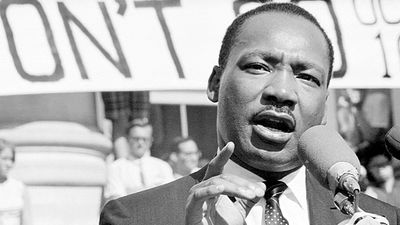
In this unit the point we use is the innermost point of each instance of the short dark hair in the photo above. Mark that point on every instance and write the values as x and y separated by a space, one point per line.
4 144
139 122
177 141
288 8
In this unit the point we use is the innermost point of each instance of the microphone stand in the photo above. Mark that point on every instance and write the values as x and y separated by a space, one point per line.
347 202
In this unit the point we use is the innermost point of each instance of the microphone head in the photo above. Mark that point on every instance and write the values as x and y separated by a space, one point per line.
392 142
321 147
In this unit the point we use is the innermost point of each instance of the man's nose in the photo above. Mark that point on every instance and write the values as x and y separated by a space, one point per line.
280 90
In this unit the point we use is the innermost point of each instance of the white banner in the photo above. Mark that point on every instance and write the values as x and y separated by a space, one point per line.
49 46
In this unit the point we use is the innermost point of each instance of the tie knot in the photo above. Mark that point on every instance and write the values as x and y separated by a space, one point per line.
275 189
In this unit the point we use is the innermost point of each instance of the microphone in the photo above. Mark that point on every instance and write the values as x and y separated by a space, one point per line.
333 163
392 142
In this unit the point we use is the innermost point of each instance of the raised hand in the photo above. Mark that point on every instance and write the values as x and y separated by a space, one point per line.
208 201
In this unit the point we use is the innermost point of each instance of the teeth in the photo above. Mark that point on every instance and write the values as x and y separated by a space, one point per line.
274 120
275 124
272 134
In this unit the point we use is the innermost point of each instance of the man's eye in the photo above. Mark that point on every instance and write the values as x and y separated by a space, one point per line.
310 78
257 68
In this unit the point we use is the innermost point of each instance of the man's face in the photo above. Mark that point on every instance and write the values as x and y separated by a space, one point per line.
140 139
188 155
6 162
272 89
354 95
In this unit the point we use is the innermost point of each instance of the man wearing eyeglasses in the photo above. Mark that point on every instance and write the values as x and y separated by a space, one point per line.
139 171
184 157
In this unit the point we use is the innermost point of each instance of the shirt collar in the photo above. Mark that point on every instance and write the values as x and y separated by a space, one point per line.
296 181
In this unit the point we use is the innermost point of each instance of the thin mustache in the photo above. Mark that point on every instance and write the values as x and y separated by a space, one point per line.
282 109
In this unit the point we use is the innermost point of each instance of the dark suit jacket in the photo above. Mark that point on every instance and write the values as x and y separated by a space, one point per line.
165 205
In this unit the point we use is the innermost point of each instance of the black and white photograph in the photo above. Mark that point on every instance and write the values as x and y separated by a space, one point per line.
200 112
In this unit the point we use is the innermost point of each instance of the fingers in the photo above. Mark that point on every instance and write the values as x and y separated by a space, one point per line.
235 186
195 202
229 185
245 205
216 165
208 189
216 184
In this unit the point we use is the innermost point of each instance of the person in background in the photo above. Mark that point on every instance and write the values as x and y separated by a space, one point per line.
184 157
120 108
14 200
376 109
139 171
382 183
374 120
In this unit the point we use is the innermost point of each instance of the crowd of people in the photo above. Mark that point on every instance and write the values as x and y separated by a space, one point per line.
133 171
380 181
138 170
364 117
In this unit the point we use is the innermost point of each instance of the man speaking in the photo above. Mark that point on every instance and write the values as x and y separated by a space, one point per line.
271 85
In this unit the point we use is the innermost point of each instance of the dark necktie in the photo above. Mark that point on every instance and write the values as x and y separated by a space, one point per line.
273 213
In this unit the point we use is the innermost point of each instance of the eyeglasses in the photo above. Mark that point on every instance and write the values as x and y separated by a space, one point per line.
189 153
137 139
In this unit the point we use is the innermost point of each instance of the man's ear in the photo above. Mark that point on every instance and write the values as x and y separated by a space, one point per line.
213 84
325 117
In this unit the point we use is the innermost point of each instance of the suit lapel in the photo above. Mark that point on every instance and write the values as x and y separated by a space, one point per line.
322 210
199 175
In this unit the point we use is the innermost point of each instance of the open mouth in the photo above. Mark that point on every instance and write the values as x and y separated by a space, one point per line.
274 127
280 122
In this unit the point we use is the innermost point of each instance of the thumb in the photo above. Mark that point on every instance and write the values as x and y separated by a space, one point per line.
216 165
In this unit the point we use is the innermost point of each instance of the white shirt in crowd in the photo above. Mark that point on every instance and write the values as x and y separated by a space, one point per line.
127 176
293 201
11 201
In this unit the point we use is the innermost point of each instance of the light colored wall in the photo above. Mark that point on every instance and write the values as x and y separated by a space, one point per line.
72 107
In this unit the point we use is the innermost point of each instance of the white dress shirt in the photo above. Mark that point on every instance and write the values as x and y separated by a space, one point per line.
293 201
11 201
127 176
